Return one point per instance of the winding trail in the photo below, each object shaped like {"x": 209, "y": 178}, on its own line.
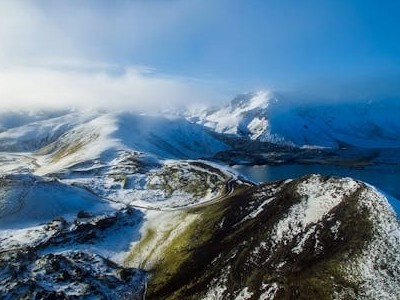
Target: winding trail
{"x": 229, "y": 189}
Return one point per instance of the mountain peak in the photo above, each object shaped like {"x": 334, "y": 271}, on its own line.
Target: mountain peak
{"x": 245, "y": 116}
{"x": 253, "y": 100}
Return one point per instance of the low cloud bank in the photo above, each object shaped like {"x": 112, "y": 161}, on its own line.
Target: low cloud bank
{"x": 133, "y": 88}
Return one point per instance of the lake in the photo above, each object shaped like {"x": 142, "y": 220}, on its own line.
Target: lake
{"x": 385, "y": 178}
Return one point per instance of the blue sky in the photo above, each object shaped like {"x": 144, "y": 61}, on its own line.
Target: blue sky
{"x": 200, "y": 49}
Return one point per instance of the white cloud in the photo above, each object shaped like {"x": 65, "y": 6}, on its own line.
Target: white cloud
{"x": 99, "y": 30}
{"x": 137, "y": 88}
{"x": 75, "y": 53}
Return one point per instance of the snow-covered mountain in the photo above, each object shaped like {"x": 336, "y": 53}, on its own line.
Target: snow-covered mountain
{"x": 246, "y": 115}
{"x": 358, "y": 124}
{"x": 72, "y": 138}
{"x": 28, "y": 133}
{"x": 265, "y": 117}
{"x": 163, "y": 136}
{"x": 12, "y": 119}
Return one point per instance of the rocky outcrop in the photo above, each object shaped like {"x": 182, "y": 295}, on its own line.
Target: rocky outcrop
{"x": 68, "y": 275}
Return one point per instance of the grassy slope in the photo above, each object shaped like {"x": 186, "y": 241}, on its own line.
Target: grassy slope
{"x": 200, "y": 252}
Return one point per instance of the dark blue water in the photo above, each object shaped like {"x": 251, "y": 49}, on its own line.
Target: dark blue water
{"x": 386, "y": 179}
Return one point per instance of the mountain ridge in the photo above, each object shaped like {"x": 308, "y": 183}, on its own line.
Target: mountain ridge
{"x": 260, "y": 249}
{"x": 266, "y": 117}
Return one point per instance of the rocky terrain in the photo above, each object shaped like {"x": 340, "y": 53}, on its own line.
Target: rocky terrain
{"x": 67, "y": 275}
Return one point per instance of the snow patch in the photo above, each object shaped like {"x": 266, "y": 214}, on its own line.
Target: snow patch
{"x": 318, "y": 198}
{"x": 269, "y": 291}
{"x": 217, "y": 287}
{"x": 376, "y": 269}
{"x": 244, "y": 294}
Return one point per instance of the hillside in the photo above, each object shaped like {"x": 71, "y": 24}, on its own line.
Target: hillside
{"x": 311, "y": 238}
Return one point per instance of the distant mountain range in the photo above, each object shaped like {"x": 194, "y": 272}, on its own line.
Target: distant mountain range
{"x": 265, "y": 117}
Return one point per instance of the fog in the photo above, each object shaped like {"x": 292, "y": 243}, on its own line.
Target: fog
{"x": 36, "y": 87}
{"x": 57, "y": 55}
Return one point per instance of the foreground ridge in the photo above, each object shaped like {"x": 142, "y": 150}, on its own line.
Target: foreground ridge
{"x": 312, "y": 238}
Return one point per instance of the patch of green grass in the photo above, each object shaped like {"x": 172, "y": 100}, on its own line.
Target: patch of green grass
{"x": 137, "y": 250}
{"x": 178, "y": 262}
{"x": 69, "y": 149}
{"x": 173, "y": 255}
{"x": 165, "y": 248}
{"x": 58, "y": 152}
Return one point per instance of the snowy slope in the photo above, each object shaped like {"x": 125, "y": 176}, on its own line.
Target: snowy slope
{"x": 121, "y": 156}
{"x": 69, "y": 190}
{"x": 28, "y": 200}
{"x": 86, "y": 141}
{"x": 246, "y": 116}
{"x": 265, "y": 117}
{"x": 166, "y": 137}
{"x": 12, "y": 119}
{"x": 29, "y": 133}
{"x": 373, "y": 124}
{"x": 106, "y": 134}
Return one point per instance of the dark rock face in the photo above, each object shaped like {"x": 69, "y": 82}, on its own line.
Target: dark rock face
{"x": 68, "y": 275}
{"x": 34, "y": 272}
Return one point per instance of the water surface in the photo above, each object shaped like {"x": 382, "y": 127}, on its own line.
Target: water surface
{"x": 385, "y": 178}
